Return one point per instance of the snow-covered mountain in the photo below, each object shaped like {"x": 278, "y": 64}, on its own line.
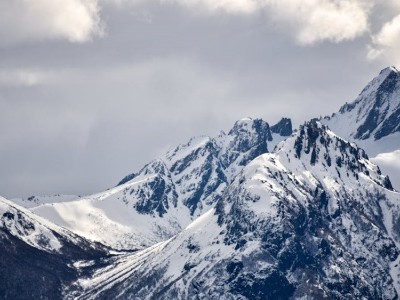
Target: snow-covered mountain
{"x": 313, "y": 220}
{"x": 225, "y": 218}
{"x": 37, "y": 257}
{"x": 170, "y": 192}
{"x": 374, "y": 115}
{"x": 373, "y": 121}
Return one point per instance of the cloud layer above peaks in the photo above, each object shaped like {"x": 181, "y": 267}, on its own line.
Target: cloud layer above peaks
{"x": 310, "y": 21}
{"x": 314, "y": 21}
{"x": 386, "y": 43}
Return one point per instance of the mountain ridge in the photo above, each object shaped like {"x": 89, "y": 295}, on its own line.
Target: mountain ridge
{"x": 168, "y": 193}
{"x": 282, "y": 229}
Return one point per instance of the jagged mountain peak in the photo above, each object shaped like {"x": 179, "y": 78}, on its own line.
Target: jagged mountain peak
{"x": 392, "y": 68}
{"x": 296, "y": 214}
{"x": 372, "y": 120}
{"x": 313, "y": 156}
{"x": 374, "y": 114}
{"x": 383, "y": 77}
{"x": 155, "y": 166}
{"x": 249, "y": 125}
{"x": 317, "y": 147}
{"x": 246, "y": 140}
{"x": 191, "y": 149}
{"x": 154, "y": 191}
{"x": 193, "y": 143}
{"x": 283, "y": 127}
{"x": 384, "y": 73}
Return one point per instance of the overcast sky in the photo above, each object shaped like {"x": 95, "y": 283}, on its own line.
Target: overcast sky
{"x": 91, "y": 90}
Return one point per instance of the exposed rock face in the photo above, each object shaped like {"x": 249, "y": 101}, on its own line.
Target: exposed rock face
{"x": 199, "y": 170}
{"x": 283, "y": 127}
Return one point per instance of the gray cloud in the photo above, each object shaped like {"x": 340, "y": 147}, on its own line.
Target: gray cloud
{"x": 21, "y": 77}
{"x": 311, "y": 21}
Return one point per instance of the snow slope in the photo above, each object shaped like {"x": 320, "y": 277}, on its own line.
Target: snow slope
{"x": 34, "y": 230}
{"x": 109, "y": 217}
{"x": 37, "y": 256}
{"x": 316, "y": 219}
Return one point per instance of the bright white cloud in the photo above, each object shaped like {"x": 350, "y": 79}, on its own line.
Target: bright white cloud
{"x": 311, "y": 20}
{"x": 386, "y": 42}
{"x": 74, "y": 20}
{"x": 390, "y": 33}
{"x": 318, "y": 20}
{"x": 390, "y": 165}
{"x": 390, "y": 159}
{"x": 22, "y": 78}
